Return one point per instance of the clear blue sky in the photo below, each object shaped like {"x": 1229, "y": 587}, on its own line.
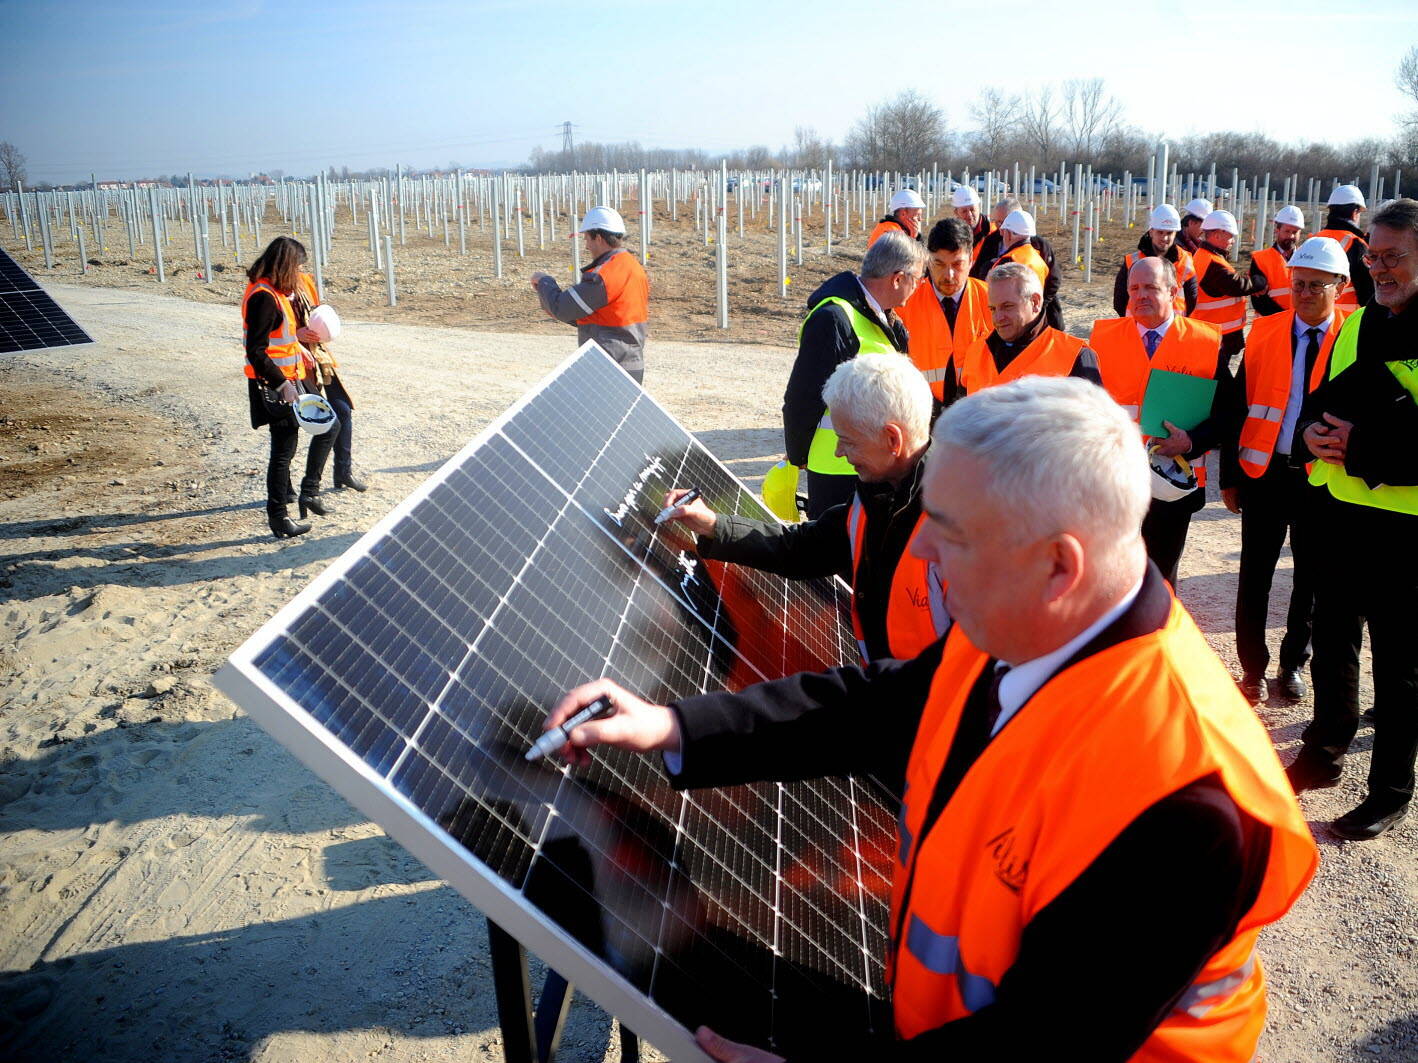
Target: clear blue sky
{"x": 127, "y": 90}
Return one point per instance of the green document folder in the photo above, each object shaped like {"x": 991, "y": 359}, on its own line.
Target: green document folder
{"x": 1181, "y": 398}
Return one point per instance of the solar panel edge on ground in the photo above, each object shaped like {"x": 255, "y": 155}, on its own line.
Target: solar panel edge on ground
{"x": 59, "y": 324}
{"x": 319, "y": 750}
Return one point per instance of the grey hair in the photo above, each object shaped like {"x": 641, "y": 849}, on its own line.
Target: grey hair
{"x": 1167, "y": 269}
{"x": 1008, "y": 203}
{"x": 1061, "y": 456}
{"x": 875, "y": 390}
{"x": 894, "y": 253}
{"x": 1029, "y": 283}
{"x": 1400, "y": 215}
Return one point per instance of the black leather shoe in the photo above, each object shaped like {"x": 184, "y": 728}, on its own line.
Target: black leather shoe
{"x": 1370, "y": 819}
{"x": 285, "y": 528}
{"x": 1311, "y": 773}
{"x": 348, "y": 480}
{"x": 1252, "y": 688}
{"x": 313, "y": 505}
{"x": 1291, "y": 684}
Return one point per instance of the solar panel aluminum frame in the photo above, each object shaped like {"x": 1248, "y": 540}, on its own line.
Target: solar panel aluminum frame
{"x": 364, "y": 788}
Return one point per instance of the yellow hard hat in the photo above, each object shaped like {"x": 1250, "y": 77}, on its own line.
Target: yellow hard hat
{"x": 780, "y": 492}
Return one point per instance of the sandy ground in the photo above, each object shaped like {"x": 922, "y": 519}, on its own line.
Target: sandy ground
{"x": 176, "y": 886}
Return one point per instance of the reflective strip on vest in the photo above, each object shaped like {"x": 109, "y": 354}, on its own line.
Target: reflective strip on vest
{"x": 940, "y": 954}
{"x": 1277, "y": 291}
{"x": 1257, "y": 457}
{"x": 903, "y": 849}
{"x": 1201, "y": 997}
{"x": 934, "y": 376}
{"x": 1133, "y": 411}
{"x": 1265, "y": 413}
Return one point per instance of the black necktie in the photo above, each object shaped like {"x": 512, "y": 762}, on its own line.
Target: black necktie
{"x": 950, "y": 306}
{"x": 1312, "y": 350}
{"x": 994, "y": 707}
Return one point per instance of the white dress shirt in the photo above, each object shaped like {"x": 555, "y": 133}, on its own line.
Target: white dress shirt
{"x": 1297, "y": 381}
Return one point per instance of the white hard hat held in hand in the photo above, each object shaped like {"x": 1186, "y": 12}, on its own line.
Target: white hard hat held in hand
{"x": 906, "y": 199}
{"x": 1199, "y": 208}
{"x": 1345, "y": 196}
{"x": 1021, "y": 222}
{"x": 325, "y": 323}
{"x": 1220, "y": 219}
{"x": 603, "y": 218}
{"x": 1323, "y": 253}
{"x": 1164, "y": 218}
{"x": 1290, "y": 215}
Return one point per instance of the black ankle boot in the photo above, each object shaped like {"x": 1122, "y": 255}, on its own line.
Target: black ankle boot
{"x": 314, "y": 505}
{"x": 347, "y": 479}
{"x": 283, "y": 527}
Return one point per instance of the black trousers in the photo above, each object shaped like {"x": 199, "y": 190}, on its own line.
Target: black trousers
{"x": 285, "y": 438}
{"x": 825, "y": 490}
{"x": 344, "y": 433}
{"x": 1164, "y": 531}
{"x": 1367, "y": 576}
{"x": 1271, "y": 506}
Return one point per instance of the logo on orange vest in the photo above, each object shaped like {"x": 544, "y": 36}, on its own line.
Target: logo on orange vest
{"x": 1010, "y": 868}
{"x": 919, "y": 598}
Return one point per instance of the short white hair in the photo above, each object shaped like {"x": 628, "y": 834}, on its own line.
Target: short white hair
{"x": 1061, "y": 455}
{"x": 875, "y": 390}
{"x": 1029, "y": 283}
{"x": 894, "y": 253}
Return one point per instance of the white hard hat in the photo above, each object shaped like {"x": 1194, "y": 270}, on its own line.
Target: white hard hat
{"x": 1220, "y": 219}
{"x": 1199, "y": 208}
{"x": 1172, "y": 478}
{"x": 1322, "y": 253}
{"x": 325, "y": 323}
{"x": 906, "y": 199}
{"x": 1021, "y": 222}
{"x": 1345, "y": 195}
{"x": 314, "y": 414}
{"x": 1290, "y": 215}
{"x": 603, "y": 218}
{"x": 1165, "y": 218}
{"x": 964, "y": 196}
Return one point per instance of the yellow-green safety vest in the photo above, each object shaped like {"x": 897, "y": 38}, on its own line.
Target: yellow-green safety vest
{"x": 1341, "y": 485}
{"x": 822, "y": 453}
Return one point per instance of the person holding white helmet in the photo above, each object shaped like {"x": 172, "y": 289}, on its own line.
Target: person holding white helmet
{"x": 1160, "y": 240}
{"x": 1346, "y": 205}
{"x": 1272, "y": 263}
{"x": 319, "y": 324}
{"x": 965, "y": 204}
{"x": 611, "y": 302}
{"x": 1193, "y": 214}
{"x": 1221, "y": 291}
{"x": 904, "y": 214}
{"x": 1013, "y": 241}
{"x": 1286, "y": 357}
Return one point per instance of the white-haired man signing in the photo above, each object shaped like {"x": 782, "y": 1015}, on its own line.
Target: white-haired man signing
{"x": 1094, "y": 826}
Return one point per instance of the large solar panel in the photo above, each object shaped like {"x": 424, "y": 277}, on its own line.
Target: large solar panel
{"x": 30, "y": 320}
{"x": 414, "y": 673}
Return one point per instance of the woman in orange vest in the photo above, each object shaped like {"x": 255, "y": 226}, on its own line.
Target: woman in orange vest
{"x": 1094, "y": 826}
{"x": 278, "y": 370}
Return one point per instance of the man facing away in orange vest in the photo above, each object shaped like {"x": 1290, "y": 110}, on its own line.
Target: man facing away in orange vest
{"x": 1040, "y": 895}
{"x": 611, "y": 302}
{"x": 1271, "y": 264}
{"x": 943, "y": 318}
{"x": 1022, "y": 342}
{"x": 903, "y": 215}
{"x": 881, "y": 410}
{"x": 1152, "y": 336}
{"x": 1286, "y": 358}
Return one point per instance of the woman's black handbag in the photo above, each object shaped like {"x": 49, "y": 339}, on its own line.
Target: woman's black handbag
{"x": 277, "y": 412}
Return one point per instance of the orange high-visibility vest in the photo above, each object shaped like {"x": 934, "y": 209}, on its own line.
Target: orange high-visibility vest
{"x": 1276, "y": 268}
{"x": 915, "y": 612}
{"x": 1348, "y": 299}
{"x": 307, "y": 285}
{"x": 1099, "y": 744}
{"x": 1025, "y": 255}
{"x": 980, "y": 237}
{"x": 1051, "y": 354}
{"x": 1185, "y": 267}
{"x": 1226, "y": 312}
{"x": 1269, "y": 358}
{"x": 1189, "y": 346}
{"x": 932, "y": 343}
{"x": 281, "y": 347}
{"x": 887, "y": 225}
{"x": 627, "y": 289}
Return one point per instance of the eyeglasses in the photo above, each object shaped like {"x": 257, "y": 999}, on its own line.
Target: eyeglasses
{"x": 1390, "y": 259}
{"x": 1302, "y": 287}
